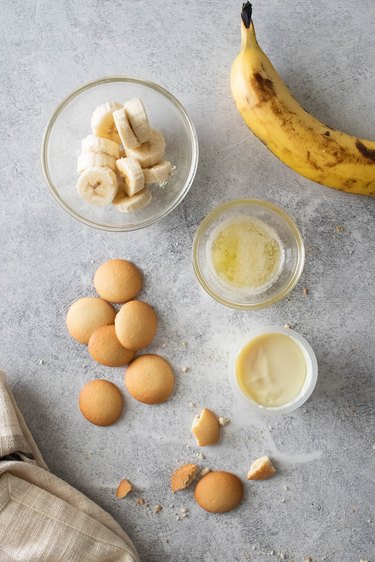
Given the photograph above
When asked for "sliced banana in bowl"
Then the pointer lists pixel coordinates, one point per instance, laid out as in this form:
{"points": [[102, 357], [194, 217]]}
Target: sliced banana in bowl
{"points": [[97, 185], [130, 170], [158, 173], [125, 131], [151, 151], [126, 204], [92, 143], [142, 146], [138, 119], [102, 122], [95, 159]]}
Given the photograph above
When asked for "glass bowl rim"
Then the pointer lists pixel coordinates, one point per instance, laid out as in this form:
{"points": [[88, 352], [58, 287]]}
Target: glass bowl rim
{"points": [[119, 78], [306, 391], [209, 219]]}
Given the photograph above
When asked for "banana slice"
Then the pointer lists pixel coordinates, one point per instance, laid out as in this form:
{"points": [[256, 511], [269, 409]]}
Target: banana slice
{"points": [[150, 152], [158, 173], [138, 119], [126, 204], [95, 159], [127, 136], [91, 143], [97, 185], [130, 169], [102, 122]]}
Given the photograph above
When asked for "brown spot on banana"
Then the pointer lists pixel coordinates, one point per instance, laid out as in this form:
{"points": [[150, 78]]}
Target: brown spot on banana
{"points": [[350, 182], [368, 153], [312, 162], [263, 87]]}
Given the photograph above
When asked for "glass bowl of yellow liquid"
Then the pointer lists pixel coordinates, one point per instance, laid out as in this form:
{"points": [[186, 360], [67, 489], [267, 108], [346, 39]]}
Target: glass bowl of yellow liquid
{"points": [[273, 370], [248, 254]]}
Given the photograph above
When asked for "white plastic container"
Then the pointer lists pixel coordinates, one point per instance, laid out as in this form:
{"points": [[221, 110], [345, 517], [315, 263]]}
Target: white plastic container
{"points": [[311, 374]]}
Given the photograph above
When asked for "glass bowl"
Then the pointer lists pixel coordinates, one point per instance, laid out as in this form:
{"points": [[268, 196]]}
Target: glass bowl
{"points": [[291, 241], [70, 123], [311, 374]]}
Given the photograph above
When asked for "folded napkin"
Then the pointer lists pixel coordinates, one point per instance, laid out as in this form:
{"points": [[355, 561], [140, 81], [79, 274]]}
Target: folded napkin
{"points": [[42, 518]]}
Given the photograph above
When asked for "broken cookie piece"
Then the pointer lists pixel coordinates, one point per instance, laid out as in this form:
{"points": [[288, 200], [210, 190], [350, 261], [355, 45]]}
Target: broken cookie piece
{"points": [[261, 469], [123, 489], [183, 477], [206, 428]]}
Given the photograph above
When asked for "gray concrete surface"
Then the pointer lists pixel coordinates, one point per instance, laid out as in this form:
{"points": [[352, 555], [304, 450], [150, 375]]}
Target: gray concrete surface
{"points": [[321, 503]]}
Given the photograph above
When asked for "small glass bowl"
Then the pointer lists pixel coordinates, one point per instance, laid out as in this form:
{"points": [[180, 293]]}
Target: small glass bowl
{"points": [[311, 375], [70, 123], [289, 235]]}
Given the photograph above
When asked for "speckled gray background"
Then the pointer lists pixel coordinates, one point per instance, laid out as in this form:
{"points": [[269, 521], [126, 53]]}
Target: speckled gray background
{"points": [[325, 451]]}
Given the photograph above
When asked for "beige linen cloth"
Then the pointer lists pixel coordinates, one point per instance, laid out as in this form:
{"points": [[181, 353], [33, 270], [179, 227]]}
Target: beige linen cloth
{"points": [[42, 518]]}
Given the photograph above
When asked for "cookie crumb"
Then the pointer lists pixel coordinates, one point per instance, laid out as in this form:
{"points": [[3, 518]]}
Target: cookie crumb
{"points": [[123, 489], [223, 421], [192, 405], [261, 469], [201, 456], [286, 488], [184, 344], [307, 559], [305, 291], [286, 325], [184, 369], [183, 510], [183, 477], [373, 447], [140, 501], [157, 508], [204, 471], [340, 228]]}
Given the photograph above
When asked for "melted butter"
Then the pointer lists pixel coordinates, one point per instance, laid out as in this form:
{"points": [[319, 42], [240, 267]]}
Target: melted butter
{"points": [[246, 253], [271, 369]]}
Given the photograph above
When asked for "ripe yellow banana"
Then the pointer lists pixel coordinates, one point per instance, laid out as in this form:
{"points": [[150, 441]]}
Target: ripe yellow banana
{"points": [[310, 147]]}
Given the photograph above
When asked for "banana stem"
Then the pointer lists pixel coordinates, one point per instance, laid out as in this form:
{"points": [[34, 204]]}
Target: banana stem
{"points": [[248, 37], [246, 13]]}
